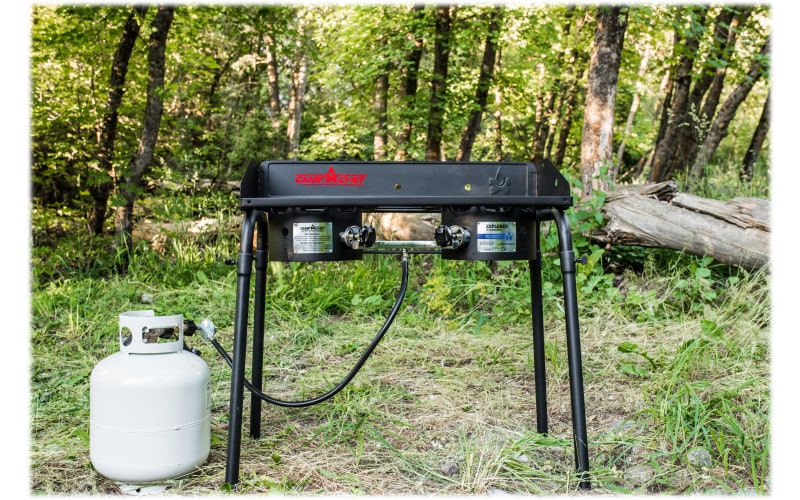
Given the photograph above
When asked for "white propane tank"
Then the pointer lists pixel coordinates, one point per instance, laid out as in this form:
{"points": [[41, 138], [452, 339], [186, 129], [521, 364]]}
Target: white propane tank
{"points": [[149, 403]]}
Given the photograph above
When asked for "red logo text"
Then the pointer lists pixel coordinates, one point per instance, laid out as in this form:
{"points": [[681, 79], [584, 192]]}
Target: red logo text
{"points": [[332, 178]]}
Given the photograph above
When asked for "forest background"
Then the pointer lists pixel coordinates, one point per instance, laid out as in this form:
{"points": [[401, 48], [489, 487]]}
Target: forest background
{"points": [[15, 196]]}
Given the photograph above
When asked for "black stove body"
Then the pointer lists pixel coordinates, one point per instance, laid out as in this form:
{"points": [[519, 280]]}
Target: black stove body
{"points": [[313, 211]]}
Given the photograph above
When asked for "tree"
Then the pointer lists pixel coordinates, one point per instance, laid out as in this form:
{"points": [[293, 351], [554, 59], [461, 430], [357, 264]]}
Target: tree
{"points": [[270, 52], [687, 43], [707, 90], [598, 121], [646, 53], [705, 56], [409, 76], [441, 56], [756, 142], [231, 70], [497, 125], [140, 163], [298, 90], [107, 129], [719, 129], [379, 106], [482, 88], [569, 89]]}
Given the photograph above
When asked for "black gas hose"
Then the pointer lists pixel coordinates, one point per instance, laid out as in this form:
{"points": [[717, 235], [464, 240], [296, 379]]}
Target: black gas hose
{"points": [[353, 371]]}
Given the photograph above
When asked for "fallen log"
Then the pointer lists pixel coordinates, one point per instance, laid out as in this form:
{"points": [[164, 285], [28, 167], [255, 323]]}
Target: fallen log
{"points": [[734, 232]]}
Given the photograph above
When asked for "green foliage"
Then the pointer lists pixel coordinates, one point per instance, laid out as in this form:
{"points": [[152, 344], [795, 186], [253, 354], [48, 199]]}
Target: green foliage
{"points": [[217, 114], [704, 384], [633, 368], [700, 407]]}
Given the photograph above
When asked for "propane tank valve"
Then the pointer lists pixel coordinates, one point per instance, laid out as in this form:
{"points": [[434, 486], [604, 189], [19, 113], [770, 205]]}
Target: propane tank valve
{"points": [[207, 329], [451, 236]]}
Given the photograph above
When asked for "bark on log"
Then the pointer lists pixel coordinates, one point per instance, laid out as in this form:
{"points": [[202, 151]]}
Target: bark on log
{"points": [[734, 232]]}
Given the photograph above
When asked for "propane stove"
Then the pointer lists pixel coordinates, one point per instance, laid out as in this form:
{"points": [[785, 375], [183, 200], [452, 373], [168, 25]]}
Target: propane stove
{"points": [[313, 211]]}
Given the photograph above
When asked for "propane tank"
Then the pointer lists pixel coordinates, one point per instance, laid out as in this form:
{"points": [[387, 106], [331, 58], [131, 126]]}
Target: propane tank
{"points": [[149, 403]]}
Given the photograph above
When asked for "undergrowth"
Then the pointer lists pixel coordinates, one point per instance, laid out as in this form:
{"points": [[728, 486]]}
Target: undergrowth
{"points": [[675, 353]]}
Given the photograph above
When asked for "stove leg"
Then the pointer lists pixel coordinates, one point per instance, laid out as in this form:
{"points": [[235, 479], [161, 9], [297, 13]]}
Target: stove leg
{"points": [[259, 306], [245, 264], [568, 261], [537, 319]]}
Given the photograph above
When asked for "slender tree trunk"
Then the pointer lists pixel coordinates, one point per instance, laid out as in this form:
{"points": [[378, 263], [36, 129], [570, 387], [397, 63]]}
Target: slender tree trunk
{"points": [[380, 98], [408, 89], [298, 90], [707, 90], [441, 57], [498, 112], [274, 96], [719, 129], [546, 130], [543, 129], [754, 150], [570, 92], [666, 88], [107, 133], [566, 120], [538, 117], [679, 99], [632, 112], [482, 89], [143, 158], [598, 121], [730, 32]]}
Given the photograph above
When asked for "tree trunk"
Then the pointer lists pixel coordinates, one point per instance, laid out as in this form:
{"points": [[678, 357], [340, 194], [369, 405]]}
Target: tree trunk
{"points": [[538, 117], [706, 92], [298, 90], [482, 89], [379, 107], [719, 129], [598, 121], [570, 91], [562, 99], [274, 96], [141, 161], [734, 232], [545, 134], [498, 113], [108, 127], [755, 144], [408, 90], [632, 112], [715, 89], [543, 130], [441, 56], [679, 99]]}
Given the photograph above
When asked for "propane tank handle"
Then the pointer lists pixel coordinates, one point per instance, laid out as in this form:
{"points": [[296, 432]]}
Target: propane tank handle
{"points": [[207, 329]]}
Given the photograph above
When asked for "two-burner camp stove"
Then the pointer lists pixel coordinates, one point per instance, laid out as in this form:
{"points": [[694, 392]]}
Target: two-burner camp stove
{"points": [[313, 211]]}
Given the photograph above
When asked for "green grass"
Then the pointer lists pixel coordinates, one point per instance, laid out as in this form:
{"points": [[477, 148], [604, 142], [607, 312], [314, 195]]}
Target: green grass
{"points": [[675, 358]]}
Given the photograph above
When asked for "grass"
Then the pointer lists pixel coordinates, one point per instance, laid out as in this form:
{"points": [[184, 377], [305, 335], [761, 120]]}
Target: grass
{"points": [[675, 358]]}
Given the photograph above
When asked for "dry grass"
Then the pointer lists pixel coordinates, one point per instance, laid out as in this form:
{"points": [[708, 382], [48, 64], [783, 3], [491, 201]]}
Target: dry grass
{"points": [[442, 407]]}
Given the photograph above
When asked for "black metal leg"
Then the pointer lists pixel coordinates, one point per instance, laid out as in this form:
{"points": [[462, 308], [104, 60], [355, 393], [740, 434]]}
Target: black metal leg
{"points": [[537, 319], [245, 264], [259, 306], [568, 261]]}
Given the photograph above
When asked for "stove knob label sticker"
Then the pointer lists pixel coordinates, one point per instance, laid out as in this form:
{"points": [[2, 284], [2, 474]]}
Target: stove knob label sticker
{"points": [[497, 237], [312, 237]]}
